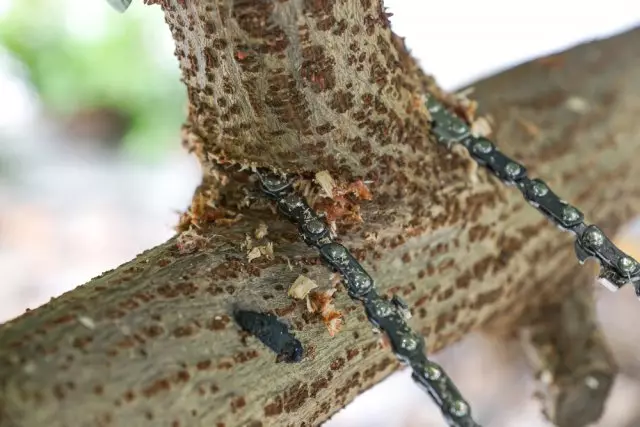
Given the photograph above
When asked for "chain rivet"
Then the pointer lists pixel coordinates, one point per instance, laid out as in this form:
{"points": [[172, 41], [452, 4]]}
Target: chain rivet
{"points": [[315, 226], [409, 343], [272, 181], [458, 128], [382, 308], [459, 408], [432, 372], [292, 201], [592, 382], [361, 282], [626, 264], [539, 189], [593, 238], [512, 169], [569, 213], [337, 252], [482, 147]]}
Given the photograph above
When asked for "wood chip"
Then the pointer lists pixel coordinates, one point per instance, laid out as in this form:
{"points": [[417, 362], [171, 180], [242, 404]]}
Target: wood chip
{"points": [[190, 241], [301, 287], [322, 303], [87, 322], [529, 127], [326, 182], [254, 253], [481, 126], [261, 231], [258, 251], [577, 104]]}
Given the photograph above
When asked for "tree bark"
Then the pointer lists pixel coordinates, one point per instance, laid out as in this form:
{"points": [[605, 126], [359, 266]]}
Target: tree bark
{"points": [[303, 87]]}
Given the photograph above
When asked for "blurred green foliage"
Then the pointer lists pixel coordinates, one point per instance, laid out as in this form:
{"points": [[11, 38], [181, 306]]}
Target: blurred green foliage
{"points": [[81, 54]]}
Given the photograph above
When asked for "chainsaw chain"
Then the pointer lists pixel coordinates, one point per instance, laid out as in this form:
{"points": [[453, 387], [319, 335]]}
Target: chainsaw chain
{"points": [[388, 315], [616, 267]]}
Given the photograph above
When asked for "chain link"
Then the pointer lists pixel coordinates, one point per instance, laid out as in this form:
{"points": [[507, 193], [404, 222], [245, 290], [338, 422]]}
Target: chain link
{"points": [[389, 316], [616, 267]]}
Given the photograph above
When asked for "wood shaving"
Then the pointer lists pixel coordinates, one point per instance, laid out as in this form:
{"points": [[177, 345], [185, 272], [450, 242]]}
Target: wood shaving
{"points": [[254, 253], [87, 322], [335, 279], [357, 188], [247, 244], [322, 303], [258, 251], [384, 342], [261, 231], [371, 236], [463, 105], [481, 126], [326, 182], [301, 287], [577, 104], [529, 127], [189, 241]]}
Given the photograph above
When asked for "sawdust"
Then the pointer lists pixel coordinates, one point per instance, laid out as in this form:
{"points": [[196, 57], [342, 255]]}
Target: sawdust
{"points": [[190, 241], [321, 302]]}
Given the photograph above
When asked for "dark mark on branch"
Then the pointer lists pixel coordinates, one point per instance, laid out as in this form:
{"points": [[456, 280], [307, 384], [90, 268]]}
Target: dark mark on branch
{"points": [[272, 332]]}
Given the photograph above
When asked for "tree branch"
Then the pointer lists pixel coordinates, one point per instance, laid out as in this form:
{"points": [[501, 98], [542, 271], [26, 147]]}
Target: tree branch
{"points": [[152, 343]]}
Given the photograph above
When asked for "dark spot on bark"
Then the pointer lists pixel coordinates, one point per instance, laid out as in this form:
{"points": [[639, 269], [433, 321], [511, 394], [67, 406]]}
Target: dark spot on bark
{"points": [[342, 101], [337, 364], [295, 397], [317, 69], [318, 385], [352, 352], [254, 17], [203, 365], [237, 404], [218, 323], [274, 408], [182, 331], [156, 387]]}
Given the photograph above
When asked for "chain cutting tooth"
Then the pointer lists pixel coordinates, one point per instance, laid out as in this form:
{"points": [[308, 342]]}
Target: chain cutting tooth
{"points": [[359, 283], [486, 154], [538, 193], [616, 267], [401, 306], [447, 128], [443, 391], [274, 185]]}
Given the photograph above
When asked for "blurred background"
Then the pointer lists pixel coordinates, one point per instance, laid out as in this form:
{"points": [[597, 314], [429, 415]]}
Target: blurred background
{"points": [[92, 173]]}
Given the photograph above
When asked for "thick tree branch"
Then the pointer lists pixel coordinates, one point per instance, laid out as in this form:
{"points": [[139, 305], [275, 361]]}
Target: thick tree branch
{"points": [[152, 343]]}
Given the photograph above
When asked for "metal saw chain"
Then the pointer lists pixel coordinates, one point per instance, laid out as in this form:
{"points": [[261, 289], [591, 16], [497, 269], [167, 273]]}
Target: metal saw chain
{"points": [[389, 316], [616, 267]]}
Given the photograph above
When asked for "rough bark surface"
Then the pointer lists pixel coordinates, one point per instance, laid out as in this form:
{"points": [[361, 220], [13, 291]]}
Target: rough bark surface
{"points": [[310, 86]]}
